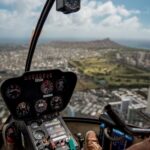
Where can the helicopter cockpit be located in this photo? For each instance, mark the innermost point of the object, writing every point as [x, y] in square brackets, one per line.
[36, 99]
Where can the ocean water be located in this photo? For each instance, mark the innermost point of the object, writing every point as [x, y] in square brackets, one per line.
[141, 44]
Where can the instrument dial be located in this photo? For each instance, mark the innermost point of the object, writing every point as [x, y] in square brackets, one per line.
[47, 87]
[22, 109]
[38, 135]
[34, 125]
[40, 106]
[56, 103]
[13, 91]
[72, 4]
[60, 85]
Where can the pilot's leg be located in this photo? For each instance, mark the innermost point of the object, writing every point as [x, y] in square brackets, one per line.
[145, 145]
[11, 137]
[91, 141]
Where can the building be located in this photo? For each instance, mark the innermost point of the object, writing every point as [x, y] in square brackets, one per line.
[148, 102]
[133, 115]
[126, 100]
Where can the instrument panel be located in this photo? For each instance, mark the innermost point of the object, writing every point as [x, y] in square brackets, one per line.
[38, 93]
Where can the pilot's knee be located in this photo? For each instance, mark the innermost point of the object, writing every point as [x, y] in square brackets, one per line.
[91, 141]
[145, 145]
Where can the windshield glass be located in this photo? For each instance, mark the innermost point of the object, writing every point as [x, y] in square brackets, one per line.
[106, 44]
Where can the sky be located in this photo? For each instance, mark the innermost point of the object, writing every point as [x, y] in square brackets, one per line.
[97, 19]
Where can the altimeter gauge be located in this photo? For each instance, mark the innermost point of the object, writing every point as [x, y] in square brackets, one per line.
[40, 106]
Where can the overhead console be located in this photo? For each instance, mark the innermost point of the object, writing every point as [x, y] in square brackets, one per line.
[38, 93]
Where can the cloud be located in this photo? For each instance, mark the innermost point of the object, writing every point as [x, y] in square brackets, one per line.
[122, 11]
[7, 2]
[19, 21]
[113, 20]
[94, 20]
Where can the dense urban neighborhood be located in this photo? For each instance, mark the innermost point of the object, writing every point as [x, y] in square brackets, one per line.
[107, 72]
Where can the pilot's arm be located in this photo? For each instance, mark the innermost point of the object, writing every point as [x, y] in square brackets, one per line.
[91, 143]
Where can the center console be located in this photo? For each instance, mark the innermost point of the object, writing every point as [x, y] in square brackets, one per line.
[50, 134]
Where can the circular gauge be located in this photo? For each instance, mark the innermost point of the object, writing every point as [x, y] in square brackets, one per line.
[56, 103]
[38, 135]
[60, 85]
[40, 106]
[34, 125]
[47, 87]
[13, 91]
[22, 109]
[72, 4]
